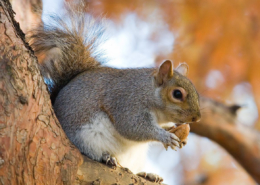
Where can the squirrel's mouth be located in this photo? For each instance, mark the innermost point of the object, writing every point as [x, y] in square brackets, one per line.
[179, 122]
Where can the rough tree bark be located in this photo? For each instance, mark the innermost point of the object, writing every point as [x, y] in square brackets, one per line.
[33, 147]
[35, 150]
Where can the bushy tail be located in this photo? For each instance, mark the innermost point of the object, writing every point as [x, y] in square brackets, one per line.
[66, 47]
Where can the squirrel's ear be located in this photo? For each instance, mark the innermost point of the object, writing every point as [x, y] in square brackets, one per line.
[183, 69]
[165, 72]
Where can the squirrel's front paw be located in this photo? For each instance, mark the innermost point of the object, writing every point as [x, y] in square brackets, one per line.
[109, 160]
[171, 140]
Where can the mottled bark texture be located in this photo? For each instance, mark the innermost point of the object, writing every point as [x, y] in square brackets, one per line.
[219, 124]
[33, 147]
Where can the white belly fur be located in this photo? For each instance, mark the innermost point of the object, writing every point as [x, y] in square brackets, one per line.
[100, 136]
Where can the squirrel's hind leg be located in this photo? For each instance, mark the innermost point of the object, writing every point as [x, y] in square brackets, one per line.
[99, 140]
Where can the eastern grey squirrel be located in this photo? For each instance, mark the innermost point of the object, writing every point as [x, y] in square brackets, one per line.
[109, 112]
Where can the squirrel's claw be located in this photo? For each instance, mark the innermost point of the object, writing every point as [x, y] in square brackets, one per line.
[172, 147]
[150, 176]
[173, 136]
[165, 146]
[109, 160]
[183, 143]
[176, 143]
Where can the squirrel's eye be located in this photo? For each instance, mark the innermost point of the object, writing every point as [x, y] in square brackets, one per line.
[177, 94]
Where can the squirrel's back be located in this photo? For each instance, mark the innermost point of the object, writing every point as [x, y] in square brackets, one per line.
[105, 88]
[66, 47]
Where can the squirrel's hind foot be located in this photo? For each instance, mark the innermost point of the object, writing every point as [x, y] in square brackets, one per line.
[109, 160]
[150, 176]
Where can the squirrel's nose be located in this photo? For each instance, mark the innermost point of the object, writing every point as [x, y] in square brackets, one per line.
[196, 118]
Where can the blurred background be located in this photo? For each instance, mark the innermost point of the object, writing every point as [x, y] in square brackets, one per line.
[218, 39]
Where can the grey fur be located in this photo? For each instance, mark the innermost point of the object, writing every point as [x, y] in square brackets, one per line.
[130, 103]
[127, 96]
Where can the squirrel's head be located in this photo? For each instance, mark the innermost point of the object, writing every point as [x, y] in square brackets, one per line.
[179, 96]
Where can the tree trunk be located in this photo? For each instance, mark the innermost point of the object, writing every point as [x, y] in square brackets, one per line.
[33, 147]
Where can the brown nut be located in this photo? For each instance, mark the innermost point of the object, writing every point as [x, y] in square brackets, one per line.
[181, 131]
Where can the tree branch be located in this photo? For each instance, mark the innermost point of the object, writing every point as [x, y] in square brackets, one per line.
[92, 172]
[242, 142]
